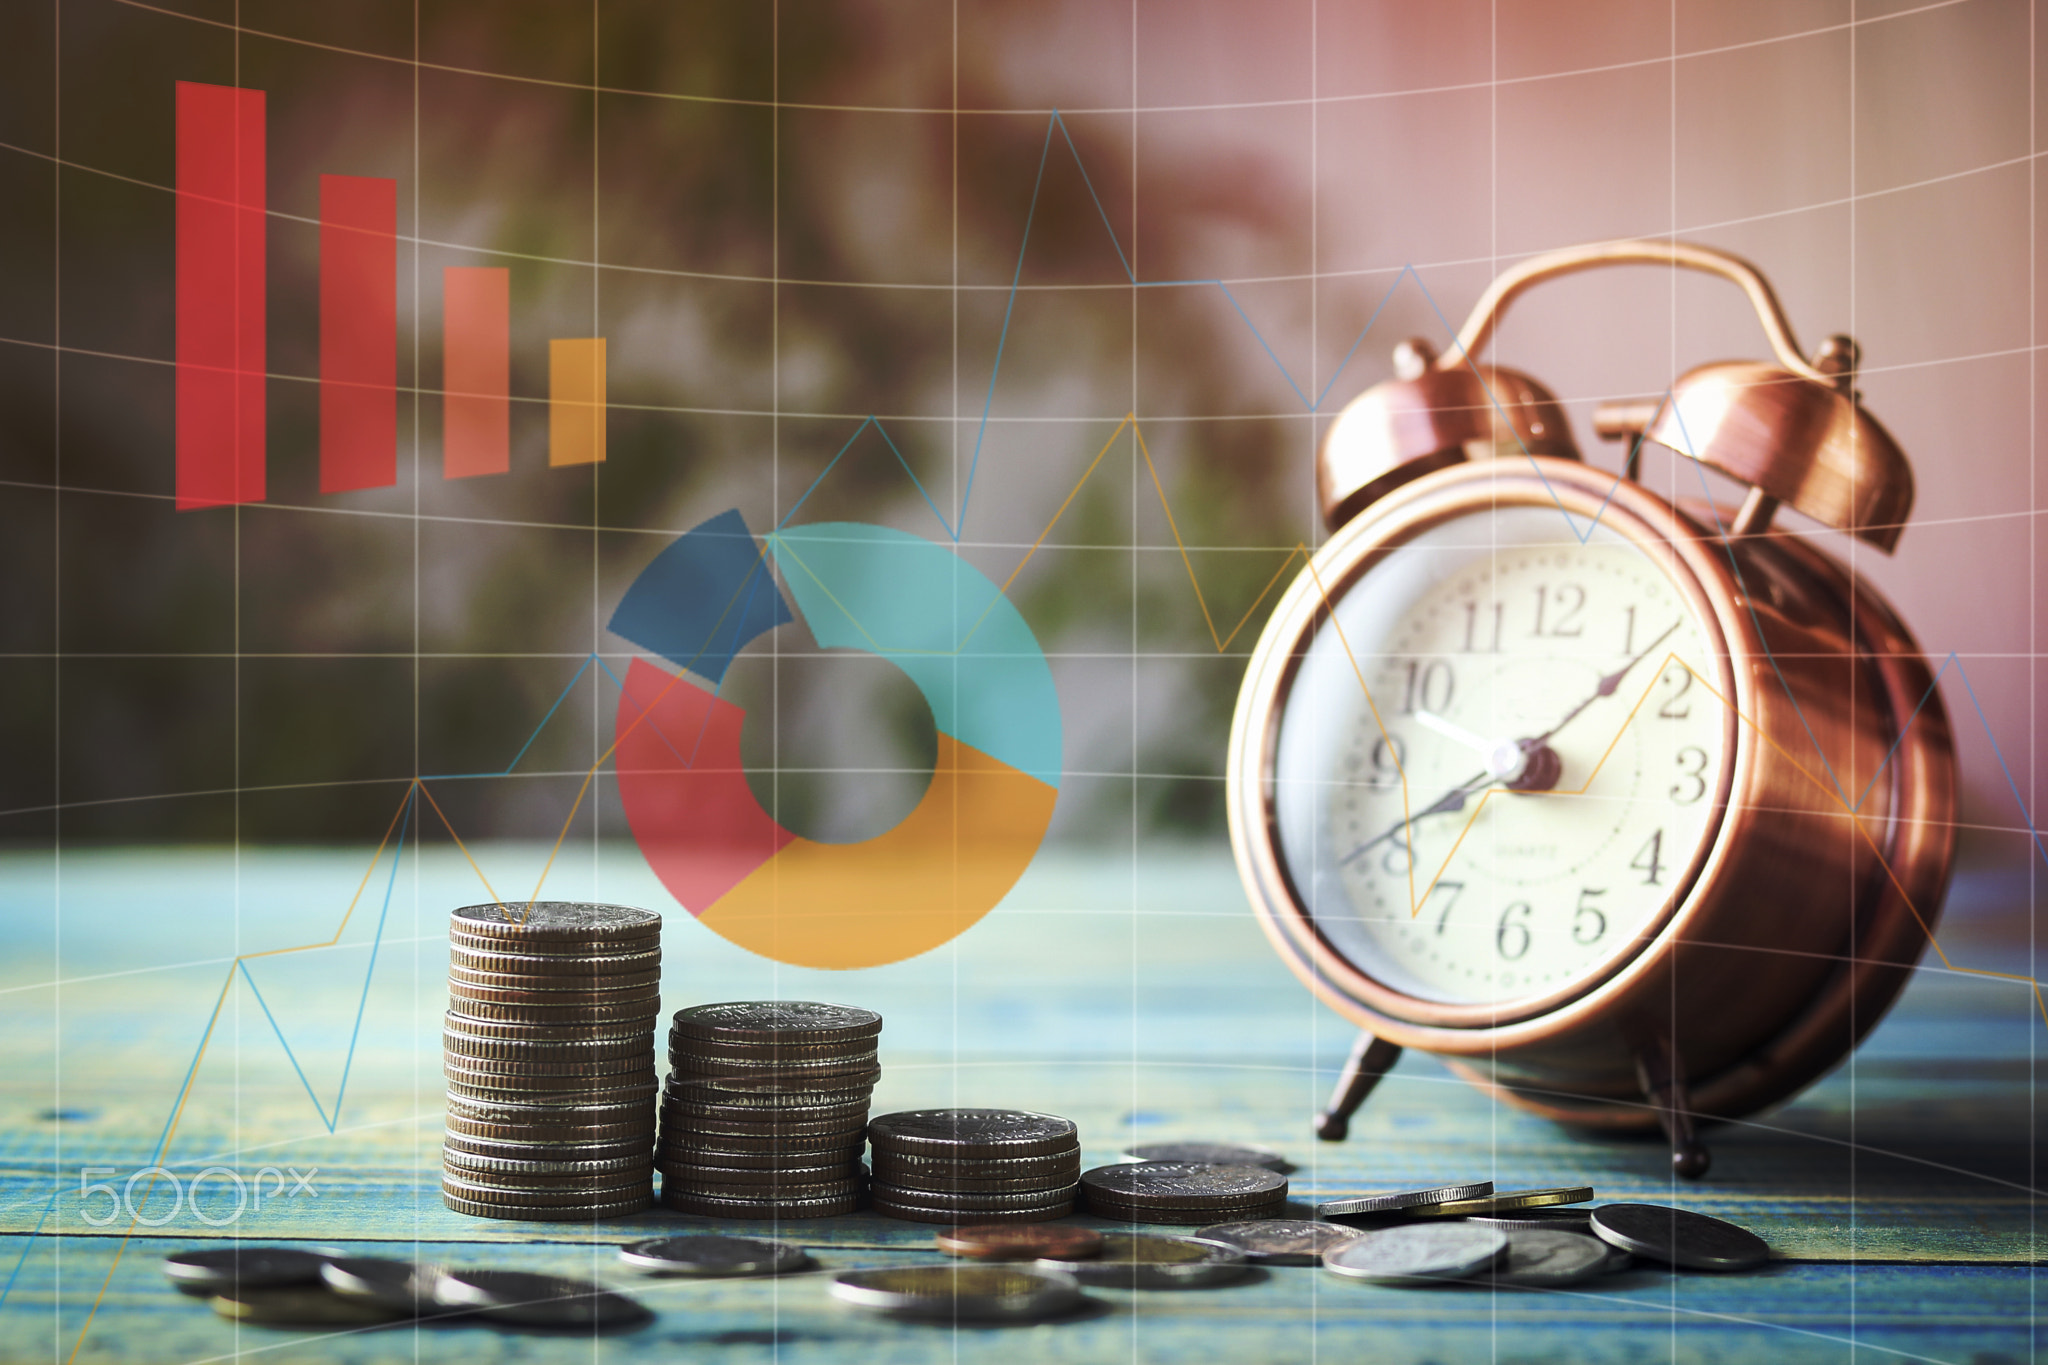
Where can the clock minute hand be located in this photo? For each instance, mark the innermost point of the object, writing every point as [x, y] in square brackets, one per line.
[1606, 687]
[1452, 800]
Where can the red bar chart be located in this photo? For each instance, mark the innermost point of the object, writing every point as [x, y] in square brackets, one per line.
[220, 299]
[476, 371]
[358, 333]
[222, 416]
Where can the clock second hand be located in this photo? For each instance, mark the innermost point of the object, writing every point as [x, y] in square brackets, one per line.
[1523, 752]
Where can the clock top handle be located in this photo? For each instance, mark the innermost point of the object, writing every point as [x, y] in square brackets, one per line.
[1795, 431]
[1478, 329]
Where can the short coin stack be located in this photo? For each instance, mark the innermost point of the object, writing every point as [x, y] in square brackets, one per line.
[974, 1165]
[1183, 1192]
[549, 1053]
[763, 1111]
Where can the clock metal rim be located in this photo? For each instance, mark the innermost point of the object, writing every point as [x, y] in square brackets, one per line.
[1701, 581]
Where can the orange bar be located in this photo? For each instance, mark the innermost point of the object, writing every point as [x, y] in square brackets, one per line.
[575, 400]
[476, 371]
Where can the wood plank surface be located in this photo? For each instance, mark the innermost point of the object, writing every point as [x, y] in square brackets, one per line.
[1134, 995]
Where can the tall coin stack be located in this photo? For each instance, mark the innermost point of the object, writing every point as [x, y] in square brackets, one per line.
[974, 1165]
[549, 1053]
[765, 1106]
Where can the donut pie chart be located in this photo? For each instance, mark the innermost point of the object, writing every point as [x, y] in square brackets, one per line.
[857, 587]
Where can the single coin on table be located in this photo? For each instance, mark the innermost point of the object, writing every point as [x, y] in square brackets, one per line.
[1506, 1201]
[1211, 1154]
[1691, 1241]
[300, 1306]
[1400, 1201]
[960, 1293]
[1555, 1219]
[1281, 1241]
[223, 1270]
[399, 1286]
[533, 1300]
[709, 1255]
[1418, 1251]
[1548, 1258]
[1136, 1260]
[1020, 1242]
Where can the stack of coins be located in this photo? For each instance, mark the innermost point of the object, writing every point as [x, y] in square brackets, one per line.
[1183, 1192]
[974, 1165]
[764, 1108]
[549, 1053]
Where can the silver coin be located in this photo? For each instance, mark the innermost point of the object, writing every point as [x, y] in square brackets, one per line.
[1183, 1185]
[555, 966]
[715, 1207]
[1281, 1241]
[1432, 1251]
[593, 1168]
[1211, 1154]
[1393, 1201]
[303, 1307]
[1692, 1241]
[400, 1286]
[532, 1300]
[972, 1201]
[223, 1270]
[709, 1255]
[1548, 1258]
[1187, 1218]
[1136, 1260]
[557, 920]
[957, 1292]
[772, 1020]
[973, 1133]
[551, 1213]
[1555, 1219]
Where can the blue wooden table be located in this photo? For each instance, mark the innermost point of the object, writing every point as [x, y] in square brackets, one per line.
[1133, 994]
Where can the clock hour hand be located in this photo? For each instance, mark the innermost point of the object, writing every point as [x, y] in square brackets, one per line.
[1452, 800]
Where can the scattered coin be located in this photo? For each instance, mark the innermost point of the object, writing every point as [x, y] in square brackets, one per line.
[1546, 1258]
[1557, 1219]
[303, 1306]
[709, 1255]
[960, 1293]
[1020, 1242]
[1435, 1251]
[1505, 1201]
[1281, 1241]
[397, 1286]
[226, 1270]
[1398, 1201]
[1130, 1260]
[1211, 1154]
[1692, 1241]
[531, 1300]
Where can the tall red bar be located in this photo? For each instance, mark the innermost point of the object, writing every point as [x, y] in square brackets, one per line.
[220, 280]
[476, 371]
[358, 332]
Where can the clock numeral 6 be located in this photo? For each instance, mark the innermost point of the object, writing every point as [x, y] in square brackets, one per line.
[1511, 935]
[1588, 924]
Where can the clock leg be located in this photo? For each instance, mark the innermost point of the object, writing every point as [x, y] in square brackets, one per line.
[1663, 1082]
[1371, 1058]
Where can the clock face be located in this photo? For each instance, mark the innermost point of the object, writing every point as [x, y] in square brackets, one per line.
[1496, 770]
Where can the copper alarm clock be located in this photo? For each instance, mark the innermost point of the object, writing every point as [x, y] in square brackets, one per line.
[1632, 812]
